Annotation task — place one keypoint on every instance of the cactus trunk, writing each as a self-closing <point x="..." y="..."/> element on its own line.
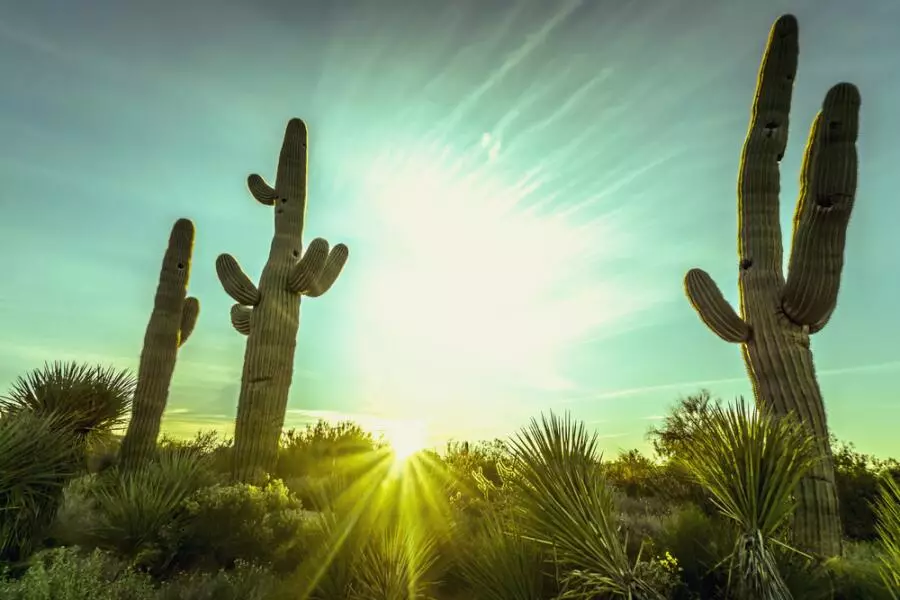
<point x="777" y="315"/>
<point x="171" y="323"/>
<point x="269" y="314"/>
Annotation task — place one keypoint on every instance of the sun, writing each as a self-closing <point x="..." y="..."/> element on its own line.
<point x="479" y="282"/>
<point x="406" y="439"/>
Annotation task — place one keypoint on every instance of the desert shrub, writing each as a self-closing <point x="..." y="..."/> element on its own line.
<point x="70" y="574"/>
<point x="393" y="565"/>
<point x="208" y="446"/>
<point x="38" y="456"/>
<point x="702" y="544"/>
<point x="750" y="462"/>
<point x="497" y="562"/>
<point x="887" y="512"/>
<point x="568" y="506"/>
<point x="319" y="463"/>
<point x="244" y="582"/>
<point x="225" y="524"/>
<point x="857" y="574"/>
<point x="322" y="449"/>
<point x="857" y="479"/>
<point x="49" y="417"/>
<point x="136" y="511"/>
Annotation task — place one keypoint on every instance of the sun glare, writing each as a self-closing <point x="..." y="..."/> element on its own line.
<point x="406" y="438"/>
<point x="476" y="281"/>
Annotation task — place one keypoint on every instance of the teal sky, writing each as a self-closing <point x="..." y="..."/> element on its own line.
<point x="522" y="185"/>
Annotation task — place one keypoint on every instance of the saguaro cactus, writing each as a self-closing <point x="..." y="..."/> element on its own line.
<point x="269" y="314"/>
<point x="777" y="316"/>
<point x="171" y="323"/>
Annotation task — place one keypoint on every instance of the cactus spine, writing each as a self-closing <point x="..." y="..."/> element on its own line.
<point x="269" y="314"/>
<point x="777" y="316"/>
<point x="171" y="323"/>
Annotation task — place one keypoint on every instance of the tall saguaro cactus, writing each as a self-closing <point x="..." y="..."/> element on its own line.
<point x="777" y="315"/>
<point x="269" y="314"/>
<point x="171" y="323"/>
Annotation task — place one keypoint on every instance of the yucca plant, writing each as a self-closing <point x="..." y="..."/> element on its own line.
<point x="750" y="462"/>
<point x="90" y="400"/>
<point x="568" y="506"/>
<point x="393" y="565"/>
<point x="887" y="511"/>
<point x="38" y="456"/>
<point x="500" y="563"/>
<point x="134" y="508"/>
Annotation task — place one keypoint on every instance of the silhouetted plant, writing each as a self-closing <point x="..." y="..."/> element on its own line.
<point x="90" y="400"/>
<point x="887" y="509"/>
<point x="750" y="462"/>
<point x="569" y="507"/>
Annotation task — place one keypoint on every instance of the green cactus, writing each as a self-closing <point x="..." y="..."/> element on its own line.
<point x="171" y="323"/>
<point x="269" y="314"/>
<point x="777" y="316"/>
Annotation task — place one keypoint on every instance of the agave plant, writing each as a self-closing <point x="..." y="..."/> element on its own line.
<point x="89" y="400"/>
<point x="750" y="462"/>
<point x="887" y="510"/>
<point x="38" y="456"/>
<point x="568" y="506"/>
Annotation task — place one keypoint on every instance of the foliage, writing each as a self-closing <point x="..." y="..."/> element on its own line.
<point x="69" y="574"/>
<point x="225" y="524"/>
<point x="750" y="462"/>
<point x="38" y="456"/>
<point x="569" y="507"/>
<point x="857" y="479"/>
<point x="321" y="461"/>
<point x="137" y="509"/>
<point x="887" y="509"/>
<point x="393" y="566"/>
<point x="500" y="563"/>
<point x="91" y="400"/>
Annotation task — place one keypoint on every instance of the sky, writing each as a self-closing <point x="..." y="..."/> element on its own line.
<point x="522" y="185"/>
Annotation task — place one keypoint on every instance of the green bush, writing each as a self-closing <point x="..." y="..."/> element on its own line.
<point x="224" y="524"/>
<point x="244" y="582"/>
<point x="136" y="512"/>
<point x="702" y="544"/>
<point x="70" y="574"/>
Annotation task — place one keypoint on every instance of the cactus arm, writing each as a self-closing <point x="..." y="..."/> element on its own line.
<point x="827" y="193"/>
<point x="337" y="258"/>
<point x="190" y="310"/>
<point x="709" y="302"/>
<point x="262" y="191"/>
<point x="759" y="239"/>
<point x="240" y="318"/>
<point x="235" y="281"/>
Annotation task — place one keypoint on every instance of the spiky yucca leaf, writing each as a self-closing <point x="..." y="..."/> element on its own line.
<point x="394" y="565"/>
<point x="750" y="462"/>
<point x="569" y="506"/>
<point x="38" y="456"/>
<point x="135" y="506"/>
<point x="887" y="510"/>
<point x="90" y="399"/>
<point x="502" y="564"/>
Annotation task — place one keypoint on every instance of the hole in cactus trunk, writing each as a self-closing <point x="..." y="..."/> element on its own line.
<point x="296" y="253"/>
<point x="180" y="265"/>
<point x="771" y="126"/>
<point x="746" y="264"/>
